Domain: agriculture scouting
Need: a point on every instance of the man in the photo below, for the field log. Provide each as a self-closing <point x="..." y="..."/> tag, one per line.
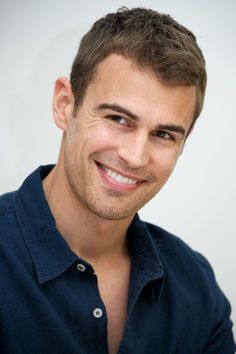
<point x="80" y="272"/>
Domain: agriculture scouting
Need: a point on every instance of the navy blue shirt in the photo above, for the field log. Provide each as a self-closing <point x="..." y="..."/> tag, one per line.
<point x="49" y="297"/>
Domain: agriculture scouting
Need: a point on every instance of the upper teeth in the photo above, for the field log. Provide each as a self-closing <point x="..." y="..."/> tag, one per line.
<point x="117" y="177"/>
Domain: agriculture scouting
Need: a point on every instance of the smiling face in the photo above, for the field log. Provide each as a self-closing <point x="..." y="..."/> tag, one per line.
<point x="124" y="142"/>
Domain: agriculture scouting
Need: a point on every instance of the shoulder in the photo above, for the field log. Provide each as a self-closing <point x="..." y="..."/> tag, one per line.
<point x="8" y="219"/>
<point x="191" y="285"/>
<point x="170" y="244"/>
<point x="188" y="270"/>
<point x="180" y="260"/>
<point x="6" y="203"/>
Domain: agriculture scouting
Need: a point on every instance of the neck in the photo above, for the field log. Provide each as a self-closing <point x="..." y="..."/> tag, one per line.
<point x="91" y="237"/>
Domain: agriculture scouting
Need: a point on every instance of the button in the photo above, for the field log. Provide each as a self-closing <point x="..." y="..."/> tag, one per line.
<point x="81" y="267"/>
<point x="97" y="313"/>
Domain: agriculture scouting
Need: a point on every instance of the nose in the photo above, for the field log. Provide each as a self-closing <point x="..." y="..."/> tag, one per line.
<point x="134" y="149"/>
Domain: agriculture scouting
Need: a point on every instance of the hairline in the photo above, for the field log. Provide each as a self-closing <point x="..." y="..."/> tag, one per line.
<point x="141" y="67"/>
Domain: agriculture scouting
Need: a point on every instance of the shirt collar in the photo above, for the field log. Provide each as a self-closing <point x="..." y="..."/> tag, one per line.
<point x="50" y="252"/>
<point x="147" y="267"/>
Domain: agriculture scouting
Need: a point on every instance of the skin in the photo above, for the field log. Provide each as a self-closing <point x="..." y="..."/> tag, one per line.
<point x="134" y="125"/>
<point x="133" y="143"/>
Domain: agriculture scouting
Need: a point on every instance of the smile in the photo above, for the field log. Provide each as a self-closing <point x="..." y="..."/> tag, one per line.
<point x="116" y="176"/>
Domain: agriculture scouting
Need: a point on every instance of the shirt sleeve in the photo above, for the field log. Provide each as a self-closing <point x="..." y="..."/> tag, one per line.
<point x="221" y="339"/>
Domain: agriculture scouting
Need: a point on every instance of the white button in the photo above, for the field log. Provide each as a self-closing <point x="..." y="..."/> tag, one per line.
<point x="97" y="313"/>
<point x="81" y="267"/>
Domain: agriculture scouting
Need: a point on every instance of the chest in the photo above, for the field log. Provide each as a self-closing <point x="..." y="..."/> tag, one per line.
<point x="113" y="288"/>
<point x="59" y="314"/>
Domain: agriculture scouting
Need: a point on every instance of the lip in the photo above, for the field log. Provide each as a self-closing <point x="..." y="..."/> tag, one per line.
<point x="115" y="185"/>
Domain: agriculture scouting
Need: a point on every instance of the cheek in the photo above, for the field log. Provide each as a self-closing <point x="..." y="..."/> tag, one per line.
<point x="164" y="163"/>
<point x="100" y="139"/>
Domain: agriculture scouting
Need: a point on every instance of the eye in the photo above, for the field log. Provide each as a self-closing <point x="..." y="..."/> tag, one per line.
<point x="163" y="135"/>
<point x="118" y="119"/>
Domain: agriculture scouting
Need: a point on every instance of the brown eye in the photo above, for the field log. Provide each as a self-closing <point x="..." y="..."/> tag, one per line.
<point x="118" y="119"/>
<point x="164" y="135"/>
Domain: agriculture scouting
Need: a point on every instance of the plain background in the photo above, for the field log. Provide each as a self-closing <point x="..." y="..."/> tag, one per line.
<point x="38" y="41"/>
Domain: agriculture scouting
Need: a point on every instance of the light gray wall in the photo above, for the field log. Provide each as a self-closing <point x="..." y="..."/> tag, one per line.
<point x="38" y="42"/>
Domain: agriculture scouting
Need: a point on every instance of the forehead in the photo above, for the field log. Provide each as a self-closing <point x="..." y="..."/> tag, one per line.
<point x="120" y="80"/>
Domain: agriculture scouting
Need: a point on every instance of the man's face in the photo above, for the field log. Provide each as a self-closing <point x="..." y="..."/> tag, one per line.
<point x="126" y="137"/>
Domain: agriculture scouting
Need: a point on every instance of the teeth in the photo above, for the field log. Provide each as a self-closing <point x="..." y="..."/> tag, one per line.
<point x="117" y="177"/>
<point x="109" y="172"/>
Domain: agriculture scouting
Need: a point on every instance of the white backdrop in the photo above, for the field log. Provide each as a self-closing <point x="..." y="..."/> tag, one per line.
<point x="38" y="41"/>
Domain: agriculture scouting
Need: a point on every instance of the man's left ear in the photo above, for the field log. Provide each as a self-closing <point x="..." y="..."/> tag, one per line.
<point x="63" y="102"/>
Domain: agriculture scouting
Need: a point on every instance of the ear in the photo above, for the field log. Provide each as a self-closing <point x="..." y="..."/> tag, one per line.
<point x="63" y="102"/>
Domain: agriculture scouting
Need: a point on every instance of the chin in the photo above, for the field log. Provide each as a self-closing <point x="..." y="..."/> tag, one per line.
<point x="112" y="213"/>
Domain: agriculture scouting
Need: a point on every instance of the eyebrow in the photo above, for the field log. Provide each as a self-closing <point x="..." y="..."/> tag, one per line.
<point x="172" y="128"/>
<point x="115" y="107"/>
<point x="118" y="108"/>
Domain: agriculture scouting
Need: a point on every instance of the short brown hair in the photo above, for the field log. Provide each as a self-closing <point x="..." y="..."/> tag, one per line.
<point x="153" y="40"/>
